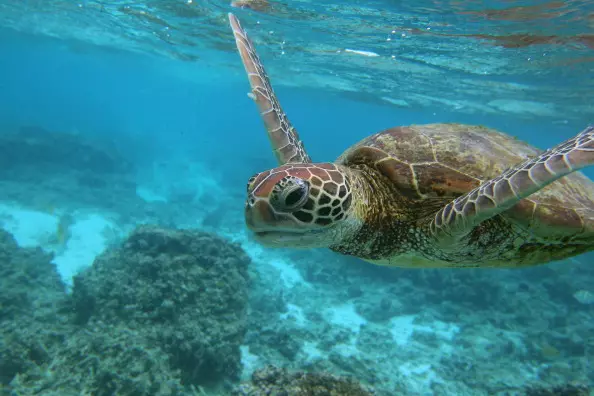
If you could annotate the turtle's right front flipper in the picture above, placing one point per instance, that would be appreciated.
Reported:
(285, 141)
(458, 218)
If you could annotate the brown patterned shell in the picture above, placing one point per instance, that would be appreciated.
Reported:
(448, 160)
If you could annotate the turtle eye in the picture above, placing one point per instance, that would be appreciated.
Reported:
(296, 196)
(292, 195)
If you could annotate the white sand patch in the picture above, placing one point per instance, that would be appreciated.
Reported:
(249, 362)
(289, 275)
(294, 313)
(345, 316)
(447, 333)
(420, 374)
(89, 236)
(402, 328)
(263, 257)
(347, 350)
(443, 330)
(30, 228)
(311, 352)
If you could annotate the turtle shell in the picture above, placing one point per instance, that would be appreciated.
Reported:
(449, 160)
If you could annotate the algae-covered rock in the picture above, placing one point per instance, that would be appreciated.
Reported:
(277, 381)
(29, 280)
(185, 292)
(559, 390)
(163, 314)
(31, 296)
(103, 360)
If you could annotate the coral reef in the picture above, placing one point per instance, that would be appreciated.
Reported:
(32, 295)
(29, 282)
(187, 290)
(103, 360)
(563, 390)
(272, 380)
(163, 314)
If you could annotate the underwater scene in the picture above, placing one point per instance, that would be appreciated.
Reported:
(294, 198)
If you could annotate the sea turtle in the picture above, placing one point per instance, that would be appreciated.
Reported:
(437, 195)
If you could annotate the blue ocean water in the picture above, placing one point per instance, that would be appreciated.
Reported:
(116, 115)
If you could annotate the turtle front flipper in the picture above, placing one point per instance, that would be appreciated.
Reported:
(285, 141)
(458, 218)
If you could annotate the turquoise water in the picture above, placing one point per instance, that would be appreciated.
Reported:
(118, 114)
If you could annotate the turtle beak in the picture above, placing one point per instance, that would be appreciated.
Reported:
(258, 215)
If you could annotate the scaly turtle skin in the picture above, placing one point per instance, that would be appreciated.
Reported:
(438, 195)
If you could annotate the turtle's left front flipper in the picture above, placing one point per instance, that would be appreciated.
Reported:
(286, 143)
(458, 218)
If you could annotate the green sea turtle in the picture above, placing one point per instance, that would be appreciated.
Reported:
(437, 195)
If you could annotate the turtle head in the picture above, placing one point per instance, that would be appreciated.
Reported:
(299, 205)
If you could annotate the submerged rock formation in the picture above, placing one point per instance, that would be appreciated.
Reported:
(34, 148)
(42, 169)
(186, 291)
(30, 299)
(162, 314)
(277, 381)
